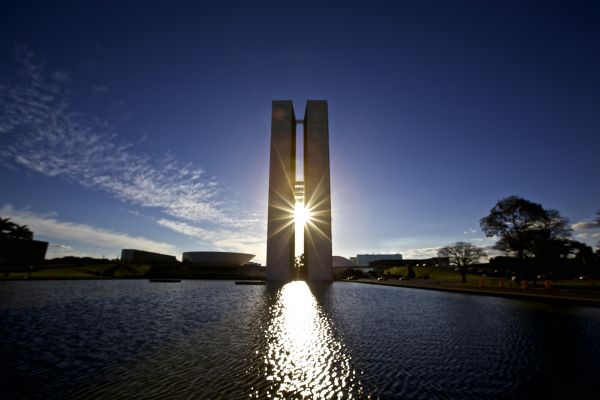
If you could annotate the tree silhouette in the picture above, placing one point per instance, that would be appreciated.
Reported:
(598, 222)
(556, 249)
(462, 254)
(6, 227)
(524, 228)
(22, 232)
(10, 230)
(300, 267)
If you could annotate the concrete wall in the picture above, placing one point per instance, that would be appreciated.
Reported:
(317, 192)
(282, 177)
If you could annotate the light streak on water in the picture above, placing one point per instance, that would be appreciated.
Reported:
(304, 358)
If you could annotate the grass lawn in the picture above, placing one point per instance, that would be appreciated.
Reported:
(476, 280)
(84, 272)
(436, 274)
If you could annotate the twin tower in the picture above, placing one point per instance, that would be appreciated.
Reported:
(284, 190)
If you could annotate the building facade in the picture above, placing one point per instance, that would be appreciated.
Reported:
(363, 260)
(144, 257)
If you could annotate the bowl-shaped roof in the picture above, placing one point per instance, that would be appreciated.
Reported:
(339, 261)
(217, 258)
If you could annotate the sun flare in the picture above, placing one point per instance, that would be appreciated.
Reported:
(301, 214)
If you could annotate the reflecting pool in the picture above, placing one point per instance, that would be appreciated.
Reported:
(304, 357)
(216, 340)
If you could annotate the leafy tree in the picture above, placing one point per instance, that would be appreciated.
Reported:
(22, 232)
(300, 267)
(566, 248)
(10, 230)
(598, 222)
(581, 252)
(357, 273)
(524, 228)
(462, 254)
(6, 227)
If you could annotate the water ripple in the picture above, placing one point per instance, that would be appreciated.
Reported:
(304, 358)
(216, 340)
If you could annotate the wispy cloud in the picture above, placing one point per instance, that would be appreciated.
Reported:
(99, 88)
(426, 252)
(40, 131)
(432, 241)
(584, 236)
(429, 252)
(51, 227)
(222, 239)
(581, 225)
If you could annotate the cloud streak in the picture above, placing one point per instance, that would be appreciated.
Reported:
(581, 225)
(50, 226)
(426, 252)
(223, 239)
(40, 131)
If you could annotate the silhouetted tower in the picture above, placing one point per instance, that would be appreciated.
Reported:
(282, 188)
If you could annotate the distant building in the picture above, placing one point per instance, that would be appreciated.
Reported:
(342, 267)
(216, 258)
(364, 260)
(18, 253)
(212, 265)
(145, 257)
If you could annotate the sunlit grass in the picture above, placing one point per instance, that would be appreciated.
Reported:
(434, 274)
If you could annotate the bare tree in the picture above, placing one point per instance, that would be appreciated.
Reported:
(462, 254)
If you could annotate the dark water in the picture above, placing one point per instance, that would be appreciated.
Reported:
(215, 340)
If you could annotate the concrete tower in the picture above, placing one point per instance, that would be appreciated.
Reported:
(282, 177)
(317, 192)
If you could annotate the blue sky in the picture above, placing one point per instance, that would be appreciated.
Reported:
(146, 124)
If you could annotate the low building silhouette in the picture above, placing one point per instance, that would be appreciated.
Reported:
(134, 256)
(209, 265)
(216, 258)
(364, 260)
(17, 254)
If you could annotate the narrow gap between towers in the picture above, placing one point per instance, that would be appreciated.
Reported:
(299, 188)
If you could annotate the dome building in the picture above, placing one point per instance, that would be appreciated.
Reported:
(219, 265)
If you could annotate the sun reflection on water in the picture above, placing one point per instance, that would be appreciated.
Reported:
(304, 359)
